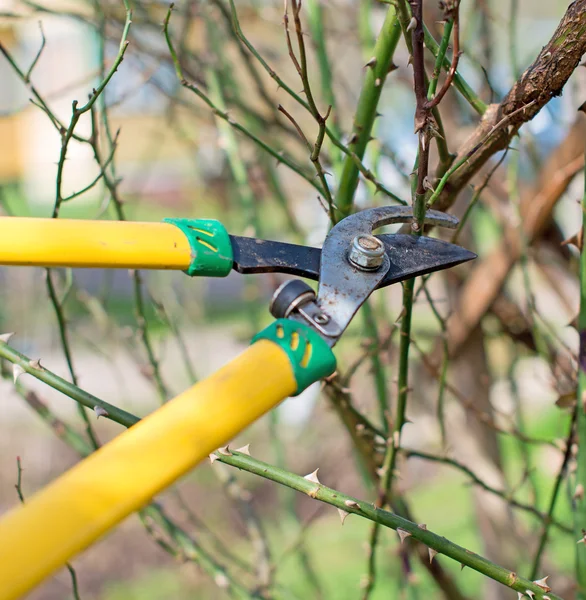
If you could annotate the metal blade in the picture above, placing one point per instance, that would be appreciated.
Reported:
(410, 256)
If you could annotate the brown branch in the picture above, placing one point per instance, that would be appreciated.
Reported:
(542, 81)
(486, 281)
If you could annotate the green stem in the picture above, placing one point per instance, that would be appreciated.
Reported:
(580, 501)
(388, 519)
(439, 59)
(65, 387)
(459, 82)
(366, 112)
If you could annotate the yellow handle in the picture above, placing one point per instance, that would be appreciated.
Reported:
(81, 505)
(78, 243)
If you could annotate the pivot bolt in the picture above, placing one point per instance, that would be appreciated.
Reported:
(366, 252)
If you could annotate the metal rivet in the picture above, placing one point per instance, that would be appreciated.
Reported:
(321, 319)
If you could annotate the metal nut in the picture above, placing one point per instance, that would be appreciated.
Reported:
(366, 252)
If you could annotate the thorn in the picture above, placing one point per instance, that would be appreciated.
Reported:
(574, 240)
(403, 534)
(371, 63)
(17, 371)
(530, 594)
(225, 450)
(378, 81)
(352, 504)
(462, 565)
(396, 439)
(35, 364)
(392, 68)
(546, 598)
(427, 184)
(343, 514)
(578, 495)
(412, 24)
(520, 595)
(422, 526)
(4, 337)
(542, 583)
(244, 450)
(100, 411)
(432, 554)
(381, 471)
(213, 458)
(313, 477)
(222, 581)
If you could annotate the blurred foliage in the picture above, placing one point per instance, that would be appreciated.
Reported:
(253, 143)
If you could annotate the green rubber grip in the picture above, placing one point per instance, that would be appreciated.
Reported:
(211, 248)
(310, 356)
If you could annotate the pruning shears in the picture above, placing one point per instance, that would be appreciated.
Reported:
(292, 353)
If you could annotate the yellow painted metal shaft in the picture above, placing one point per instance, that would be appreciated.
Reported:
(78, 243)
(80, 506)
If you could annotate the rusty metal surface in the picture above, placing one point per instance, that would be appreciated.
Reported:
(343, 288)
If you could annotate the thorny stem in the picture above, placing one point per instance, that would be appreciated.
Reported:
(351, 505)
(377, 69)
(423, 117)
(65, 387)
(580, 498)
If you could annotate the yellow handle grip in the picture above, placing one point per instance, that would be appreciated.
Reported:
(81, 505)
(78, 243)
